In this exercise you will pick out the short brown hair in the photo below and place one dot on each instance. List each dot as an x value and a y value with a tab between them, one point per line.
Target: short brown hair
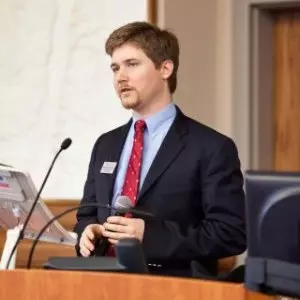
159	45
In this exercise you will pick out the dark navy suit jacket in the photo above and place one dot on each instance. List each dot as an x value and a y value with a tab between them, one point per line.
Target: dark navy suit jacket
194	187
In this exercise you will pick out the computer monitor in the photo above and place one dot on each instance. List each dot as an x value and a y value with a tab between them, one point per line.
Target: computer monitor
273	215
273	231
17	194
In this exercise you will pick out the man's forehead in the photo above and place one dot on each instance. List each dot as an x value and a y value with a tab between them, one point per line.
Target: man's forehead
127	52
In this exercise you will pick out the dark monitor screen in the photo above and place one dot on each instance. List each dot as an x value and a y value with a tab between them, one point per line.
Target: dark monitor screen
273	215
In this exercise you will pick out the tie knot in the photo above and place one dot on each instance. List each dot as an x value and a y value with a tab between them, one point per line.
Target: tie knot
140	126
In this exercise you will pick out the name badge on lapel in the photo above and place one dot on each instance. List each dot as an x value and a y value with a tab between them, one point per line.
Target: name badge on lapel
108	167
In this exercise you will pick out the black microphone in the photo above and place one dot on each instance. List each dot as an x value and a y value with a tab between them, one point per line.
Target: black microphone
64	145
102	245
122	210
4	165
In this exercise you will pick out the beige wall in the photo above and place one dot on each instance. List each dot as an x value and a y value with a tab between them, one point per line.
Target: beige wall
205	74
195	26
223	105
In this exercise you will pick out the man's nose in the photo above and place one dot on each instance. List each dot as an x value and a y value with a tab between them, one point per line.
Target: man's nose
122	75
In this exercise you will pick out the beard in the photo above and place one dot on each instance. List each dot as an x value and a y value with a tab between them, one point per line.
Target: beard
130	100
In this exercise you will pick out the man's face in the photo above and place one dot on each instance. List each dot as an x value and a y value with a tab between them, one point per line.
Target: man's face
136	80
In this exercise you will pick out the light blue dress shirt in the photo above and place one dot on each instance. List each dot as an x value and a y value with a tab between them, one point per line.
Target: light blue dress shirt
158	126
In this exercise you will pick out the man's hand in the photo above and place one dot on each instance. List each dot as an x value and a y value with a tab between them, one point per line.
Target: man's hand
88	238
116	228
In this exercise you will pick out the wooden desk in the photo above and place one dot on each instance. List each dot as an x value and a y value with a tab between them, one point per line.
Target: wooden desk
42	284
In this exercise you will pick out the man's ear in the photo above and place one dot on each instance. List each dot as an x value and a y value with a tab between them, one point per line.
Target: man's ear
166	69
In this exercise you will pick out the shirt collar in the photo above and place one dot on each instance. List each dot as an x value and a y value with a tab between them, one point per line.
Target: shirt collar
154	121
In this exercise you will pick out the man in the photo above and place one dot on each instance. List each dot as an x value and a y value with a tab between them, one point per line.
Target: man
185	173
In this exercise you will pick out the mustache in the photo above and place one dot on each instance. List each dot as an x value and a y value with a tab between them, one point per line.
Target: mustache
125	87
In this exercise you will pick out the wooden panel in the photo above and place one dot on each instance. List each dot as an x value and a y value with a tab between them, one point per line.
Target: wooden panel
38	284
287	91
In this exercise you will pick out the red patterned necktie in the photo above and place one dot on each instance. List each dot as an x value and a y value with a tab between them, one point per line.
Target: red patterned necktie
132	178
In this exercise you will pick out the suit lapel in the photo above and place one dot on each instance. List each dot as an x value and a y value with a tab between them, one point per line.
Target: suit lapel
115	151
172	145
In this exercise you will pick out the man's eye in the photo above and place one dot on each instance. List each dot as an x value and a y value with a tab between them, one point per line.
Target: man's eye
132	64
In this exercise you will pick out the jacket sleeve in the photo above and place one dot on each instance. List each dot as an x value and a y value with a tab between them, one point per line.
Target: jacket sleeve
222	231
